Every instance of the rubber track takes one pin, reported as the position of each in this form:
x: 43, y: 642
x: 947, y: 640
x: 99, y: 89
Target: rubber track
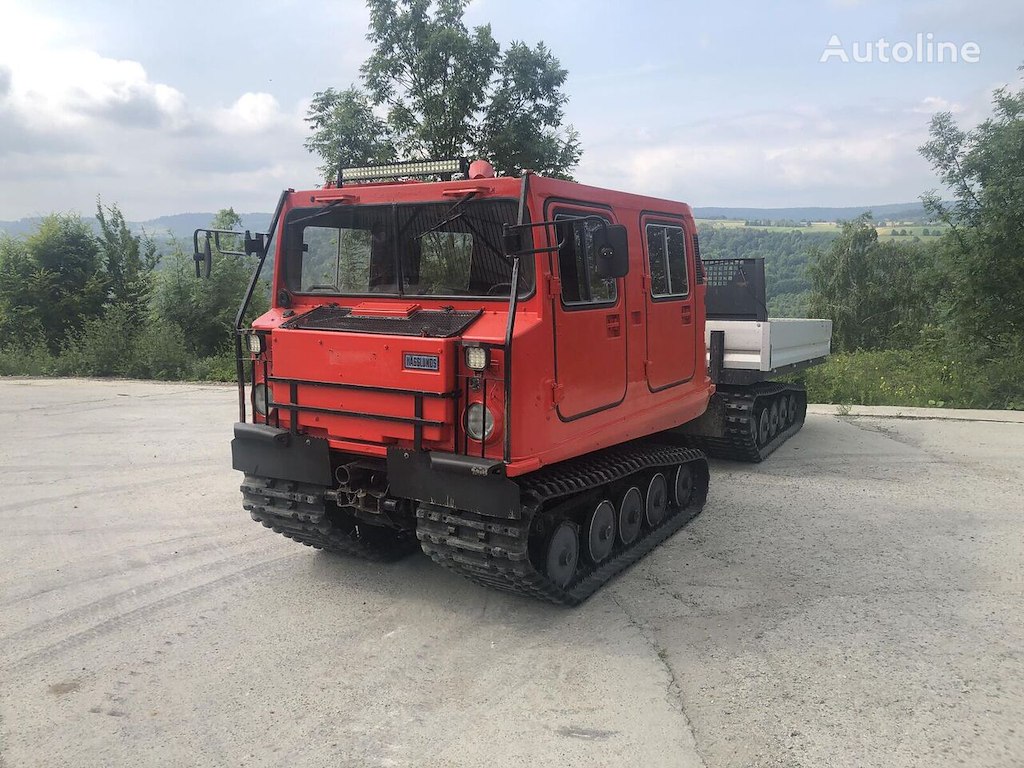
x: 741, y: 403
x: 495, y: 552
x: 298, y: 512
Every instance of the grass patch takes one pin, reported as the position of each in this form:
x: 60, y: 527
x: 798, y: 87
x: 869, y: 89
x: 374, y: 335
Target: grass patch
x: 918, y: 377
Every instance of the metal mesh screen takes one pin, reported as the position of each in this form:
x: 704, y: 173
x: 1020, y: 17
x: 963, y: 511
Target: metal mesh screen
x: 432, y: 323
x: 736, y: 289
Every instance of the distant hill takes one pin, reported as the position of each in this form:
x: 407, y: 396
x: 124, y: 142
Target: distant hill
x: 178, y: 225
x: 21, y: 226
x: 182, y: 225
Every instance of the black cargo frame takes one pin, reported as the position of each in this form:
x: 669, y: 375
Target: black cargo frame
x: 735, y: 289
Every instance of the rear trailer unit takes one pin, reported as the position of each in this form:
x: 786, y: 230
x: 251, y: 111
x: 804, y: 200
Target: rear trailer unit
x: 749, y: 415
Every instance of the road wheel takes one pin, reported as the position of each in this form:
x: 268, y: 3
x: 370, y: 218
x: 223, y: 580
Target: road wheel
x: 682, y: 486
x: 792, y: 408
x: 600, y: 530
x: 631, y: 514
x: 656, y: 503
x: 763, y: 428
x: 563, y: 553
x: 783, y: 412
x: 773, y: 419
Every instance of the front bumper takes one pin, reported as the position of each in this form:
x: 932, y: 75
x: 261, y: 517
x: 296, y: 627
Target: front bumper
x: 267, y: 451
x: 455, y: 481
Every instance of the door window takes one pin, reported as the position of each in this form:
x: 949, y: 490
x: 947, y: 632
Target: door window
x: 666, y: 254
x: 577, y: 263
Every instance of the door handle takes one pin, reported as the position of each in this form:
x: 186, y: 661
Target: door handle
x: 687, y: 314
x: 613, y: 324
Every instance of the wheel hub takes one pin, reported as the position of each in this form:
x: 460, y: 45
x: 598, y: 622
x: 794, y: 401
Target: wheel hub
x: 563, y: 553
x: 630, y: 515
x: 601, y: 531
x: 657, y: 499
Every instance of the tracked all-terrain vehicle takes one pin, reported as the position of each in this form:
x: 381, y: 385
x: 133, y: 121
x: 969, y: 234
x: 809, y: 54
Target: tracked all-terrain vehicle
x: 517, y: 375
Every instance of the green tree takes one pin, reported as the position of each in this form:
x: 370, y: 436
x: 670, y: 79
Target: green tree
x: 204, y: 309
x: 55, y: 280
x: 878, y: 295
x: 983, y: 248
x: 448, y: 91
x: 522, y: 127
x: 129, y: 260
x: 345, y: 132
x: 24, y: 289
x: 430, y: 72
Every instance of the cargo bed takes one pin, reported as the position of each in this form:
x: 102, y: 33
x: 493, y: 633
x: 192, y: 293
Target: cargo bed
x: 756, y: 350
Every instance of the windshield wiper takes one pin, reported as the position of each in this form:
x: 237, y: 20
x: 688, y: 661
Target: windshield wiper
x: 450, y: 215
x: 483, y: 239
x: 327, y: 208
x: 454, y: 214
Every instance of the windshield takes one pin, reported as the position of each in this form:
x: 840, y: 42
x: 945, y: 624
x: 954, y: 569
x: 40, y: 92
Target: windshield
x: 452, y: 248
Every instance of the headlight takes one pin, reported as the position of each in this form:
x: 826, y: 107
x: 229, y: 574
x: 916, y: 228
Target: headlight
x: 255, y: 344
x: 260, y: 397
x: 479, y: 422
x: 476, y: 358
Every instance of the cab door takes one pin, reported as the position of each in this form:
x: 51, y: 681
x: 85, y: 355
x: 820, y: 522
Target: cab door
x: 671, y: 316
x: 590, y: 327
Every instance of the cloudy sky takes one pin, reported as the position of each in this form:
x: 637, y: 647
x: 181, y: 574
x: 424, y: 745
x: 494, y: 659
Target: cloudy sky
x: 168, y: 107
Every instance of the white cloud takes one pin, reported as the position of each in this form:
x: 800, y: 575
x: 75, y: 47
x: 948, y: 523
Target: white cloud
x: 79, y: 123
x: 251, y: 113
x: 804, y: 156
x: 109, y: 100
x: 51, y: 84
x: 929, y: 105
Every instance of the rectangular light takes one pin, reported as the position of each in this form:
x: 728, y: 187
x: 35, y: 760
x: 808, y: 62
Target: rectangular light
x: 255, y: 343
x: 411, y: 168
x: 477, y: 358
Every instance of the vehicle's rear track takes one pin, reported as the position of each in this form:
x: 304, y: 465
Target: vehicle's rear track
x: 503, y: 553
x: 496, y: 552
x: 752, y: 432
x: 299, y: 512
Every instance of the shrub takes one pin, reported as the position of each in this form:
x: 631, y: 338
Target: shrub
x: 954, y: 378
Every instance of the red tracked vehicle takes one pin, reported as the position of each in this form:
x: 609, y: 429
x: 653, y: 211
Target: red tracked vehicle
x: 537, y: 439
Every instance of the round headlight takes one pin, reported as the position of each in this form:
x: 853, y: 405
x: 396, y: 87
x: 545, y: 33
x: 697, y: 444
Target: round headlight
x: 260, y: 397
x: 476, y: 358
x: 479, y: 422
x: 255, y: 343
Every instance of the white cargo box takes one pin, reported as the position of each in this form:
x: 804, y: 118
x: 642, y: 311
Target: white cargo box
x: 772, y: 345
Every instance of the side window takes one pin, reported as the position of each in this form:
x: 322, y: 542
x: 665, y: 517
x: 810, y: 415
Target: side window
x: 666, y: 253
x: 577, y: 263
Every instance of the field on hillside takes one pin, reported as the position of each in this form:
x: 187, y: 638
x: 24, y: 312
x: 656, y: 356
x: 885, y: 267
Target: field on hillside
x: 886, y: 230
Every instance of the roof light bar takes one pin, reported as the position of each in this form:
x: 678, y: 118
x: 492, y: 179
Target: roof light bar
x: 398, y: 170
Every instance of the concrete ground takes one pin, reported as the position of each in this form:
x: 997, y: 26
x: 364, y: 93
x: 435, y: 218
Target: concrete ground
x: 854, y: 601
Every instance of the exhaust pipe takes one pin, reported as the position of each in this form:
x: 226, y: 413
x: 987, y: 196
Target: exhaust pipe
x: 343, y: 475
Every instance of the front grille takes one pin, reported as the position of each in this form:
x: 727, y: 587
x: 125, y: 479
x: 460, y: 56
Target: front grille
x: 431, y: 323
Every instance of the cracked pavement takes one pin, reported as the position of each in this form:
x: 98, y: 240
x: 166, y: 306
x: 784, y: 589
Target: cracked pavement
x: 855, y: 600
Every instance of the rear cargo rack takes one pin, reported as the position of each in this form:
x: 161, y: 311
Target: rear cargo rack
x: 735, y: 289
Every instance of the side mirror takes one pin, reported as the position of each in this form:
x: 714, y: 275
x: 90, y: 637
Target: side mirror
x: 204, y: 257
x: 511, y: 240
x: 254, y: 244
x: 612, y: 248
